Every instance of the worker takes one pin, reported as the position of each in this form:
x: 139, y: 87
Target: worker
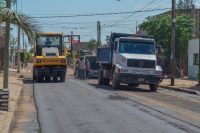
x: 87, y: 67
x: 82, y: 70
x: 48, y: 42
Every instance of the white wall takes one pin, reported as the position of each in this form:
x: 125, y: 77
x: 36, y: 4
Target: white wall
x: 193, y: 47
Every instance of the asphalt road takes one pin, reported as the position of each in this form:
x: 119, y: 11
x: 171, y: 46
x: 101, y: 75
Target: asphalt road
x: 78, y: 107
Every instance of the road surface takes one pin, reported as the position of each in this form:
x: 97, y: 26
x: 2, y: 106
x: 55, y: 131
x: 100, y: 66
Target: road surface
x: 78, y: 107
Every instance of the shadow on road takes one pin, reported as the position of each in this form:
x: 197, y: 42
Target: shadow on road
x: 122, y: 88
x: 28, y: 81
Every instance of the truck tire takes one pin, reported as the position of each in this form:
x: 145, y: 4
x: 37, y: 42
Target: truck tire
x: 115, y: 82
x: 40, y: 79
x: 34, y: 76
x: 55, y: 79
x: 62, y: 78
x: 106, y: 82
x: 153, y: 87
x: 100, y: 78
x: 48, y: 78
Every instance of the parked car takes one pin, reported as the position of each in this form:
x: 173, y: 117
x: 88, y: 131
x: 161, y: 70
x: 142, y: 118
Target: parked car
x: 93, y: 73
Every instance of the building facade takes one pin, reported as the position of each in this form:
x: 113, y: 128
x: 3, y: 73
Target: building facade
x: 193, y: 55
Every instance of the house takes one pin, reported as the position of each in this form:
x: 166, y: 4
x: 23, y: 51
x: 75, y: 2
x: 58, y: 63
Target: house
x: 188, y: 66
x: 193, y: 55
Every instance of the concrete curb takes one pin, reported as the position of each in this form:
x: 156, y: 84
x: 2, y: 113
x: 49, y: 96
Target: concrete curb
x: 180, y: 89
x: 10, y: 117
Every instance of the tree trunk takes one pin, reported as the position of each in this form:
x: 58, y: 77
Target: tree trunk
x: 7, y: 38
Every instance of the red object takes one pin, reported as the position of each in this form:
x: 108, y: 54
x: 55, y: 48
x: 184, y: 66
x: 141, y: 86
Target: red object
x: 75, y: 39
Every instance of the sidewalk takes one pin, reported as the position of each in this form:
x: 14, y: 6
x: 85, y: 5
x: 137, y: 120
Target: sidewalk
x: 183, y: 85
x: 15, y: 87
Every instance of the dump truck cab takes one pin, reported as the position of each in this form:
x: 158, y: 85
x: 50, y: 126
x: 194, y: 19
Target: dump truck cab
x: 49, y: 58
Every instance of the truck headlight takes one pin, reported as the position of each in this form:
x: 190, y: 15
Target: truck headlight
x: 158, y: 72
x: 120, y: 69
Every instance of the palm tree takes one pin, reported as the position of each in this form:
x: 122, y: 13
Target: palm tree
x: 24, y: 22
x: 28, y: 25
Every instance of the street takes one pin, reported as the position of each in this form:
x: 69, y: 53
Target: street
x: 100, y: 66
x: 84, y: 107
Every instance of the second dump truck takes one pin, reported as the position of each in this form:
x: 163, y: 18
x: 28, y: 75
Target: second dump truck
x: 129, y: 59
x: 49, y: 58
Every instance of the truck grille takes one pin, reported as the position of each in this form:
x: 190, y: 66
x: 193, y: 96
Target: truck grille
x: 141, y: 63
x: 51, y: 60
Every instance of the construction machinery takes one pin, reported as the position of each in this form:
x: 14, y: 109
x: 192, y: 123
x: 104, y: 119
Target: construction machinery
x: 49, y: 58
x: 129, y: 59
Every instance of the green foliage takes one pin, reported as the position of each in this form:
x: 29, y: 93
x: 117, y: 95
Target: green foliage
x: 185, y: 4
x: 91, y: 45
x: 160, y: 28
x: 31, y: 51
x: 25, y: 57
x: 107, y: 39
x: 27, y: 24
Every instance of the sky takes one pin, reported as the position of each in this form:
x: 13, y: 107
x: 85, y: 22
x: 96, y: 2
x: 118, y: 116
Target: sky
x: 86, y: 26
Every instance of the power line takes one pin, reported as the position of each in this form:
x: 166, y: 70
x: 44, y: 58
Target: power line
x: 84, y: 22
x: 103, y: 14
x: 133, y: 13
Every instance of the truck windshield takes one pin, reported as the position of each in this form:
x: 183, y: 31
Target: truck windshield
x: 137, y: 48
x: 48, y: 41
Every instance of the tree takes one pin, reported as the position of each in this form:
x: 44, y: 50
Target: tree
x: 91, y: 45
x: 185, y: 4
x: 28, y: 25
x: 160, y: 28
x: 107, y: 39
x: 24, y: 22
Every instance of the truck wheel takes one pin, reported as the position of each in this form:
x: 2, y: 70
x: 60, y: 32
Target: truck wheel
x: 48, y: 78
x: 115, y: 82
x: 153, y: 87
x: 34, y: 76
x: 62, y: 78
x: 106, y: 82
x: 40, y: 79
x: 55, y: 79
x: 100, y: 78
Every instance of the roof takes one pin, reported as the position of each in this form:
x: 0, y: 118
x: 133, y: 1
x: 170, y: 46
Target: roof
x: 137, y: 39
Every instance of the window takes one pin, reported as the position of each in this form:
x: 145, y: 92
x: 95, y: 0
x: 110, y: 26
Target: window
x: 137, y: 48
x: 195, y: 58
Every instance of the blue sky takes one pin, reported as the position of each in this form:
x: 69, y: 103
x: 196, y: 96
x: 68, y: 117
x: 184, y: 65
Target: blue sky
x: 86, y: 26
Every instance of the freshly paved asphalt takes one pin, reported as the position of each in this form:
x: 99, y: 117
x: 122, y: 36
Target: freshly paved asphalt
x: 77, y: 107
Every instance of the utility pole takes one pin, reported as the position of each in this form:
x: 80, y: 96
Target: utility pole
x: 199, y: 43
x: 136, y: 28
x: 72, y: 44
x: 4, y: 95
x: 98, y: 34
x: 173, y: 41
x: 194, y: 18
x: 18, y: 46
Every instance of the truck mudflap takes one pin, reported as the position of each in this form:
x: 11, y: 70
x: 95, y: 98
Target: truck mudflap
x: 139, y: 79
